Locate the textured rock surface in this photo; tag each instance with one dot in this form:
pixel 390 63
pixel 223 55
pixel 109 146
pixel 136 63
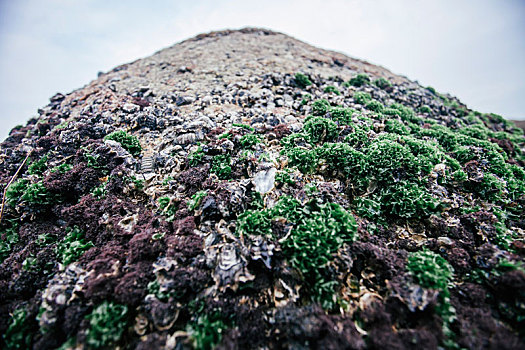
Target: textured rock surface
pixel 262 208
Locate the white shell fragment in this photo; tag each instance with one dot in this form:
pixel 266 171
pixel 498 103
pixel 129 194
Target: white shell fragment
pixel 264 180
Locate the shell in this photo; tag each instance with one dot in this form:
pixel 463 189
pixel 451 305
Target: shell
pixel 231 268
pixel 128 222
pixel 264 180
pixel 190 137
pixel 162 314
pixel 147 165
pixel 60 292
pixel 261 250
pixel 141 324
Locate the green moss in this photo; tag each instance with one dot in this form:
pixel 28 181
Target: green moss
pixel 100 191
pixel 406 199
pixel 302 80
pixel 168 207
pixel 72 246
pixel 243 126
pixel 38 166
pixel 15 191
pixel 374 105
pixel 196 200
pixel 405 113
pixel 196 157
pixel 362 97
pixel 250 140
pixel 34 194
pixel 320 107
pixel 107 322
pixel 397 127
pixel 425 109
pixel 318 231
pixel 9 238
pixel 342 115
pixel 332 89
pixel 19 333
pixel 431 89
pixel 359 80
pixel 432 271
pixel 38 195
pixel 283 177
pixel 382 83
pixel 304 159
pixel 389 160
pixel 127 141
pixel 358 138
pixel 340 160
pixel 206 331
pixel 221 166
pixel 254 222
pixel 62 168
pixel 92 159
pixel 319 130
pixel 368 207
pixel 305 99
pixel 136 184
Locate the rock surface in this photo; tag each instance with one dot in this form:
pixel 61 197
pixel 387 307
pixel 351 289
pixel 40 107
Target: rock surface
pixel 243 189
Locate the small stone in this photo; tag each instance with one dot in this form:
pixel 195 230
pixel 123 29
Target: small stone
pixel 130 108
pixel 183 100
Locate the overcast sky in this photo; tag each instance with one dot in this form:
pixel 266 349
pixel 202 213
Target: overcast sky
pixel 473 49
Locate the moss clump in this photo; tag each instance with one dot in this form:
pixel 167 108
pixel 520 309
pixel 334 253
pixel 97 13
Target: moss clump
pixel 318 231
pixel 359 80
pixel 382 83
pixel 38 166
pixel 407 200
pixel 243 126
pixel 16 191
pixel 320 107
pixel 196 157
pixel 341 115
pixel 303 158
pixel 33 194
pixel 302 80
pixel 129 142
pixel 196 200
pixel 254 222
pixel 107 323
pixel 72 246
pixel 319 130
pixel 425 109
pixel 168 207
pixel 19 333
pixel 250 140
pixel 396 127
pixel 362 97
pixel 9 237
pixel 283 177
pixel 332 89
pixel 375 105
pixel 62 168
pixel 206 330
pixel 432 271
pixel 221 166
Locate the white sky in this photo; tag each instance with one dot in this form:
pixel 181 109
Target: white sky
pixel 473 49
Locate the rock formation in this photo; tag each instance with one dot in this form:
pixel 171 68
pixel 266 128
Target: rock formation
pixel 245 190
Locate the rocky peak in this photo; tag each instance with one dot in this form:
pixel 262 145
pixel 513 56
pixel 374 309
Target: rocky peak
pixel 243 189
